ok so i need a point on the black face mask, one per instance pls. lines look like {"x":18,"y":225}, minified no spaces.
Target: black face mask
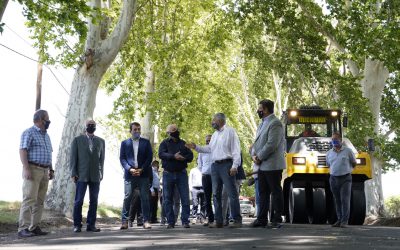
{"x":175,"y":134}
{"x":260,"y":113}
{"x":90,"y":128}
{"x":215,"y":126}
{"x":46,"y":124}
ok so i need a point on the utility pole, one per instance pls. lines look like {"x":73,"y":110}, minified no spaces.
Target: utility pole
{"x":39,"y":86}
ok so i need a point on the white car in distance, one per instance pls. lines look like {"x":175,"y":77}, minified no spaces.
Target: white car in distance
{"x":247,"y":208}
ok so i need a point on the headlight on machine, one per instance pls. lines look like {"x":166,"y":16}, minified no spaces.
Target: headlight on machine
{"x":361,"y":161}
{"x":299,"y":161}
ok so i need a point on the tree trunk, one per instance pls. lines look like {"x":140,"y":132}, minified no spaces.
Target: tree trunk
{"x":80,"y":108}
{"x":3,"y":6}
{"x":146,"y":122}
{"x":373,"y":83}
{"x":100,"y":53}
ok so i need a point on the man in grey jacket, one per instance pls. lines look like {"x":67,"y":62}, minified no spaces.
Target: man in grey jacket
{"x":268,"y":151}
{"x":87,"y":168}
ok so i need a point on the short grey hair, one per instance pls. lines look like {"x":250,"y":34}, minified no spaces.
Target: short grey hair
{"x":221,"y":117}
{"x":39,"y":115}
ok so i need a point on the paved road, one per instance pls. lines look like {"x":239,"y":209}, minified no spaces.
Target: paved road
{"x":199,"y":237}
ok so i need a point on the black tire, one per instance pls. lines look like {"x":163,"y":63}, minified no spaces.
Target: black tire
{"x":357,"y":205}
{"x":318,"y":215}
{"x":297,"y":205}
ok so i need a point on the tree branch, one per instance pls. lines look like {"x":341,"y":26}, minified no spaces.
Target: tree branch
{"x":110,"y":47}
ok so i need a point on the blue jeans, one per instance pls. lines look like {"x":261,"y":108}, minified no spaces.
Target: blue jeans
{"x":341,"y":190}
{"x":81,"y":187}
{"x":179,"y":180}
{"x":220,"y":177}
{"x":144,"y":186}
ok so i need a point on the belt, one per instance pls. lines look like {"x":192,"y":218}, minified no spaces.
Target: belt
{"x":223,"y":161}
{"x":172,"y":172}
{"x":38,"y":164}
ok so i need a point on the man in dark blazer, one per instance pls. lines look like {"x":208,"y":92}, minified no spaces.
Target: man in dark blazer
{"x":87,"y":169}
{"x":135,"y":156}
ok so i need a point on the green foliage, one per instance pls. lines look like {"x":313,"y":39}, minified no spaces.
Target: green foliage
{"x":392,"y":206}
{"x":291,"y":39}
{"x":9,"y":211}
{"x":54,"y":23}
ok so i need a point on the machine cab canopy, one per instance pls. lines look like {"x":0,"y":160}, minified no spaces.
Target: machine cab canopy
{"x":310,"y":122}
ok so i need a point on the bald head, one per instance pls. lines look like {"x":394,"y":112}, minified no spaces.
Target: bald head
{"x":173,"y":131}
{"x":90,"y":121}
{"x":90,"y":126}
{"x":172,"y":128}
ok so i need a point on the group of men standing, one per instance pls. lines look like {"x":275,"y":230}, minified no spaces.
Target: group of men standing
{"x":218,"y":162}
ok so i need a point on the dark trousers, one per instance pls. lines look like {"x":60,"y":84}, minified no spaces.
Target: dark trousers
{"x":269,"y":184}
{"x":198,"y":199}
{"x":341,"y":190}
{"x":135,"y":211}
{"x":153,"y":206}
{"x":94,"y":188}
{"x":207,"y":186}
{"x":129,"y":187}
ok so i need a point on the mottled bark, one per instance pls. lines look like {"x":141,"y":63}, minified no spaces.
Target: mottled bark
{"x":100,"y":53}
{"x":147,"y":120}
{"x":372,"y":85}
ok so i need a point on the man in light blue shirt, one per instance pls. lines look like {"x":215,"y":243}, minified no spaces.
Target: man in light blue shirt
{"x":204,"y":163}
{"x":341,"y":161}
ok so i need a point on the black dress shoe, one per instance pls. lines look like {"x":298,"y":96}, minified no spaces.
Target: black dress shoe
{"x":38,"y":231}
{"x":25,"y":233}
{"x":186,"y":225}
{"x":257,"y":223}
{"x":92,"y":229}
{"x":77,"y":229}
{"x":170,"y":226}
{"x":130,"y":223}
{"x":139,"y":224}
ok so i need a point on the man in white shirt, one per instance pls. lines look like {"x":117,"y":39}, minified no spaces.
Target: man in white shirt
{"x":225,"y":155}
{"x":196,"y":189}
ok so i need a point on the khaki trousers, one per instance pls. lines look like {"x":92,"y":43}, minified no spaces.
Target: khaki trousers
{"x":33,"y":195}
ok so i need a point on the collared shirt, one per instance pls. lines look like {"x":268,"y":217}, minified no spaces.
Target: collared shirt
{"x":135,"y":144}
{"x":195,"y":178}
{"x":90,"y":140}
{"x":38,"y":145}
{"x":156,"y":181}
{"x":340,"y":162}
{"x":224,"y":144}
{"x":204,"y":163}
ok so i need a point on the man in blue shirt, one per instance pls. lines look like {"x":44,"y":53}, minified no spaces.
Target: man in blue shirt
{"x":341,"y":161}
{"x":154,"y":190}
{"x":175,"y":158}
{"x":204,"y":162}
{"x":35,"y":153}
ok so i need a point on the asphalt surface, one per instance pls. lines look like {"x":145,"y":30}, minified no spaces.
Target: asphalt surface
{"x":200,"y":237}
